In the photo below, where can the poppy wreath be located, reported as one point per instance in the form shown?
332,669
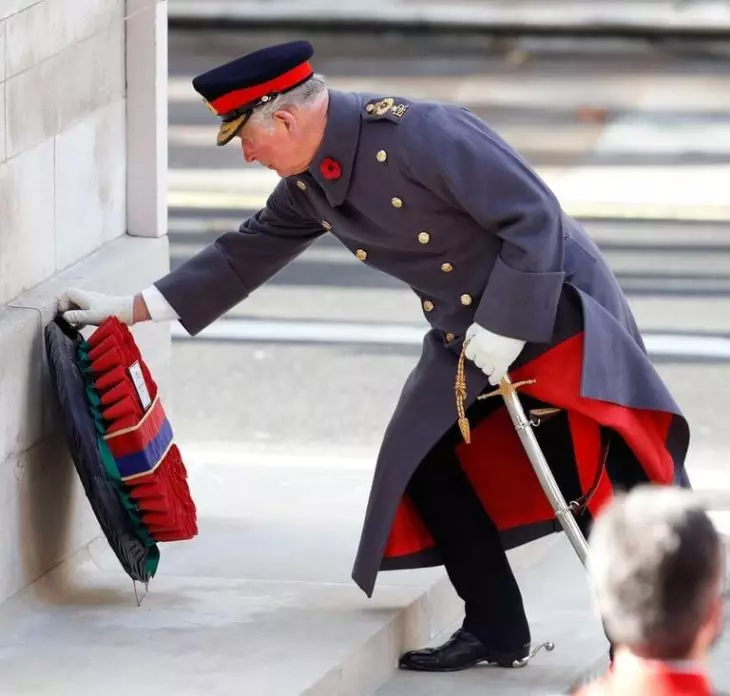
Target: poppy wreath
121,442
330,168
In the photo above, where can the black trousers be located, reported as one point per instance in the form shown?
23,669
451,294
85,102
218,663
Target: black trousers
468,540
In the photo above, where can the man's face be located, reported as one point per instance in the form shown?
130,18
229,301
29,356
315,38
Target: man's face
278,144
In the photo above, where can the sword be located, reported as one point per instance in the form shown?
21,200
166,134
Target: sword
508,390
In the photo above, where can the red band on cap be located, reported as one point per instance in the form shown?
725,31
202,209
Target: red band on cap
241,97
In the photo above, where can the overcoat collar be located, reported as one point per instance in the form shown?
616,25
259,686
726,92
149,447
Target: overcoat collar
335,158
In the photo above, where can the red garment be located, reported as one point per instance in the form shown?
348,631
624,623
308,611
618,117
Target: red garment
632,676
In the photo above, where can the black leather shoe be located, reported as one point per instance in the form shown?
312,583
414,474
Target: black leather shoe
461,651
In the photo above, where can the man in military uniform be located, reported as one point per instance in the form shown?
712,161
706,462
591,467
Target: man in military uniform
509,283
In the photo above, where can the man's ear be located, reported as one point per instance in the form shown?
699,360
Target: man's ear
286,119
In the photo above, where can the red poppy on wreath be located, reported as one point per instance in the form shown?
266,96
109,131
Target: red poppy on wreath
330,168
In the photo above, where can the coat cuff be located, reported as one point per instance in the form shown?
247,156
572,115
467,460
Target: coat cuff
202,289
158,307
520,305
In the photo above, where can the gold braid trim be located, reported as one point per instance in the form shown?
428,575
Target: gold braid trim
460,393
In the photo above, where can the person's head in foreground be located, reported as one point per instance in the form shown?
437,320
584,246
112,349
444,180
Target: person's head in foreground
657,565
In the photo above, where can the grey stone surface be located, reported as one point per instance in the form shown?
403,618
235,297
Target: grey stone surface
76,82
21,376
43,512
61,23
2,108
146,117
90,171
26,215
190,636
11,7
2,50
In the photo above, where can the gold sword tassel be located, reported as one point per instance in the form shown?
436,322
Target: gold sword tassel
460,392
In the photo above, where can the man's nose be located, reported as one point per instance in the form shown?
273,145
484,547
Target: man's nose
247,154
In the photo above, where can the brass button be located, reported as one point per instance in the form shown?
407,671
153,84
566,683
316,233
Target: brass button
450,337
466,299
326,225
361,254
396,202
424,237
447,267
369,108
428,305
302,185
381,156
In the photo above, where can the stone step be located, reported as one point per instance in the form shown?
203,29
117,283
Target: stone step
260,601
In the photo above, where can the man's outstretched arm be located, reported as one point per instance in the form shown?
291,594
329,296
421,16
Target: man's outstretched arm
214,280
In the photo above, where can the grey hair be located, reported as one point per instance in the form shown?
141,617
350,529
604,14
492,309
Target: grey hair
657,563
301,96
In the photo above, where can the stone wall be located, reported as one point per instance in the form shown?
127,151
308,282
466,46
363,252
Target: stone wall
83,161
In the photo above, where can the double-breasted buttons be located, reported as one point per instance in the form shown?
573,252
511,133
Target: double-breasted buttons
424,237
381,156
449,337
302,185
466,299
396,202
327,225
361,254
447,267
428,305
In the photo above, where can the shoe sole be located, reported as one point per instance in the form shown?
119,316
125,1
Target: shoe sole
416,668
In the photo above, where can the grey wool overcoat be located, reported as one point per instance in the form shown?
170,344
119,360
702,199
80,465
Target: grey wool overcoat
431,195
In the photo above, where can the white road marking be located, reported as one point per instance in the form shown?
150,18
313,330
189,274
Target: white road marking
672,345
324,332
696,192
309,331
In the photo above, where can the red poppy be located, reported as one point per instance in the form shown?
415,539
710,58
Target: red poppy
330,168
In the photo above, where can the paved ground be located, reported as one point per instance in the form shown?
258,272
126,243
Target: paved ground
312,364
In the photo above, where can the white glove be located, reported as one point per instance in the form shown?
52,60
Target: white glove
94,308
491,352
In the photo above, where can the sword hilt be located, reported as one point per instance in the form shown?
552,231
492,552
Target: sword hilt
506,388
460,392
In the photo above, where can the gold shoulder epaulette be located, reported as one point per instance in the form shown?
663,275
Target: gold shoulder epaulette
386,108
